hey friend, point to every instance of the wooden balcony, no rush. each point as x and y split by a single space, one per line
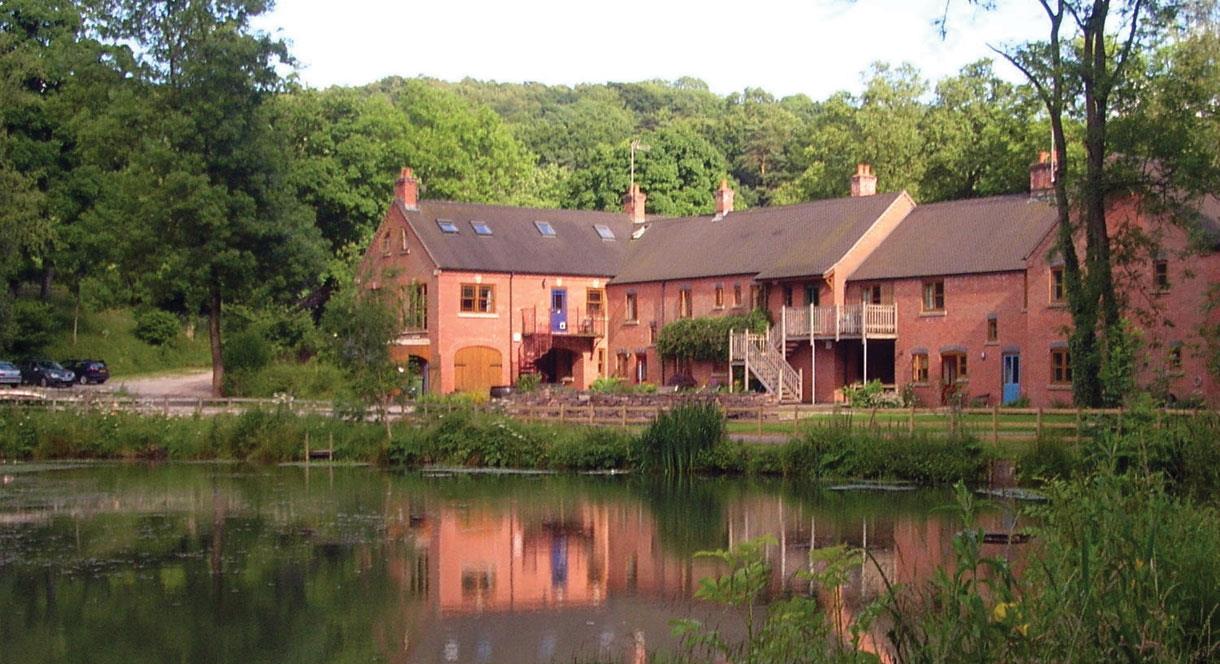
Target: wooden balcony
852 321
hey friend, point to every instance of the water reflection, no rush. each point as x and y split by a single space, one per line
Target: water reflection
220 564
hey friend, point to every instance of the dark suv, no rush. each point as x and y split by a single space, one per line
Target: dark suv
88 371
44 373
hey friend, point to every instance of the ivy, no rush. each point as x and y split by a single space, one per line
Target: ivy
705 338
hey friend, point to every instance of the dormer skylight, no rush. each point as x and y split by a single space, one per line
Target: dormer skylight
480 228
545 228
603 231
447 226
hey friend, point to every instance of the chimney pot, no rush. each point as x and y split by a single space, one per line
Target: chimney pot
1042 176
863 183
634 204
724 199
406 189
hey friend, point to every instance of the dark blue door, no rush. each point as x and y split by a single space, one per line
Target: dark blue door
1012 378
559 310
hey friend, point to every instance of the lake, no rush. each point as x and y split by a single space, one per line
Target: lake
233 563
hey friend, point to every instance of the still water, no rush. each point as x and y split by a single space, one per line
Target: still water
224 563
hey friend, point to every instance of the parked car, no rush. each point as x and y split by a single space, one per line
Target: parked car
9 374
45 373
88 371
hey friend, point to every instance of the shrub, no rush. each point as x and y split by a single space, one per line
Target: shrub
528 382
675 442
248 351
609 385
34 323
682 381
156 327
871 395
314 379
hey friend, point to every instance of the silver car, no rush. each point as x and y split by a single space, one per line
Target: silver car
9 374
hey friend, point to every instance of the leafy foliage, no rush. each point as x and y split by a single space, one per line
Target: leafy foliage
705 338
156 327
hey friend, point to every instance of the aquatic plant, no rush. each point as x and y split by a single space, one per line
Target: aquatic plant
675 442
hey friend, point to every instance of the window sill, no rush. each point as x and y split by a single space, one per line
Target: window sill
1060 387
473 314
933 313
631 323
1057 305
925 384
991 343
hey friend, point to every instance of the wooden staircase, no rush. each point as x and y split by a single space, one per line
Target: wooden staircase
763 356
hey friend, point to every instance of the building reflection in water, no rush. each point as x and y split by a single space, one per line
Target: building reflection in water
506 582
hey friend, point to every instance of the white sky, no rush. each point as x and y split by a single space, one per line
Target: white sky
812 46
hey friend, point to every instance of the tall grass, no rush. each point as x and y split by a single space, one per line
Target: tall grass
840 451
675 442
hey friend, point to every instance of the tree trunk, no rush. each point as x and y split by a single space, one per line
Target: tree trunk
48 279
76 316
218 365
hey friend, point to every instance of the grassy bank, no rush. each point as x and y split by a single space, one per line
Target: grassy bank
691 440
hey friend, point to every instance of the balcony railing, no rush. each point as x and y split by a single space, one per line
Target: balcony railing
835 322
576 323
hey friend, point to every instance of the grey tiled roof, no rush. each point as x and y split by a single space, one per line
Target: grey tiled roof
515 244
772 243
994 234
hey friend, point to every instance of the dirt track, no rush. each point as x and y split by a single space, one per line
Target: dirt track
193 384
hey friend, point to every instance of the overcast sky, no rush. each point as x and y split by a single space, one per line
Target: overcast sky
814 47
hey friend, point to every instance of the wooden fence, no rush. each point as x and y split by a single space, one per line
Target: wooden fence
765 421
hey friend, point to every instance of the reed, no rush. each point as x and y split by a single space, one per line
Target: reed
677 442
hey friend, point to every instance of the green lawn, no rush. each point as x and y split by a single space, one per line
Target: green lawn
108 336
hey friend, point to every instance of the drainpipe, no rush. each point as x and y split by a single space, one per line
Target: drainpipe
660 327
512 355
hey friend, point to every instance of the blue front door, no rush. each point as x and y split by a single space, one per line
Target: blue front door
559 310
1012 378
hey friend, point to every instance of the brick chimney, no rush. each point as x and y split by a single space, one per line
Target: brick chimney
1042 176
863 183
406 189
633 204
724 199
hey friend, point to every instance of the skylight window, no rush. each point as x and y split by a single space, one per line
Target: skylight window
545 228
447 226
604 232
480 228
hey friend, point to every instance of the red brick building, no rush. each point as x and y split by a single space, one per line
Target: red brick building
486 293
959 298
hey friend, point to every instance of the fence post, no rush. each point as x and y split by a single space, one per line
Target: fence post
1038 424
995 424
592 411
911 421
796 419
760 419
307 448
624 416
563 409
1079 424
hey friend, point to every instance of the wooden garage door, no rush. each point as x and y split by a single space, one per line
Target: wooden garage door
476 369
